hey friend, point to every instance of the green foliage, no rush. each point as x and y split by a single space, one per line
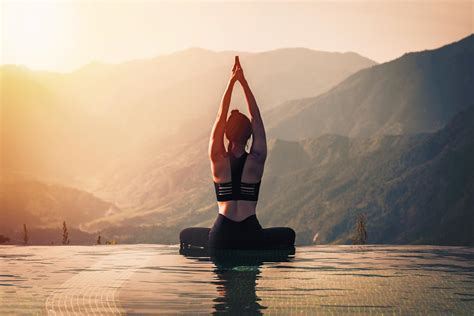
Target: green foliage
360 235
25 235
414 189
65 240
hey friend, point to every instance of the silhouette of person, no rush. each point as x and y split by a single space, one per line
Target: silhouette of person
237 177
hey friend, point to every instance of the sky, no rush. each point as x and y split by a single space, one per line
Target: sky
65 35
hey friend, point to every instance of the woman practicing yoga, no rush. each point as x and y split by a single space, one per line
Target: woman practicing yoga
237 176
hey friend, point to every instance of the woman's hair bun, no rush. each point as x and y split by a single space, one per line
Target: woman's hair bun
238 127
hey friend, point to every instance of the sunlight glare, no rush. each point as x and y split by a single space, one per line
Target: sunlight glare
34 32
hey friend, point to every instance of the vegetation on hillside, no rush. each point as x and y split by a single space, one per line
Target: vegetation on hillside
416 93
360 234
26 238
394 142
65 240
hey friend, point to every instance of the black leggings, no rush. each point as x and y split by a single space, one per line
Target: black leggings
228 234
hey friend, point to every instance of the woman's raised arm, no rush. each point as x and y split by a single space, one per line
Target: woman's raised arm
216 143
259 143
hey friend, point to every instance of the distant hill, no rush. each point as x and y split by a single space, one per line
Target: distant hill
413 188
66 127
418 92
41 205
377 143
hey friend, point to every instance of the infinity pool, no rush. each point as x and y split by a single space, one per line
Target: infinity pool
141 279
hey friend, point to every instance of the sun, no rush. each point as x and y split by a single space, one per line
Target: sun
33 32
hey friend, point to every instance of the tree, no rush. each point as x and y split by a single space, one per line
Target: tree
111 242
99 240
65 234
360 237
25 235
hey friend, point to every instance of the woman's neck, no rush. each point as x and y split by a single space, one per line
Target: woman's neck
237 149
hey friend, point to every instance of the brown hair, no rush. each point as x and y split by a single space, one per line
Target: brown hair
238 128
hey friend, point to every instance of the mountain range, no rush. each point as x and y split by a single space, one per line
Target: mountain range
69 130
416 93
153 185
66 127
392 141
412 188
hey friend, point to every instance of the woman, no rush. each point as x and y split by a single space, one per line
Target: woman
237 176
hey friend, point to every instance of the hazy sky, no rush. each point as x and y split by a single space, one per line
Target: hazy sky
63 35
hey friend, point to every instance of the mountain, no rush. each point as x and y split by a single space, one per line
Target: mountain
150 178
412 188
418 92
67 127
320 184
43 206
393 141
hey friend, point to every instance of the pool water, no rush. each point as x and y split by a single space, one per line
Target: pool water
141 279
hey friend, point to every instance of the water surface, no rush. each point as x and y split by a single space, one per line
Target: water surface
140 279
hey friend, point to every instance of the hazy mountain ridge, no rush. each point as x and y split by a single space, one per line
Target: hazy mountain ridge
418 92
320 182
105 114
331 178
398 68
42 205
413 188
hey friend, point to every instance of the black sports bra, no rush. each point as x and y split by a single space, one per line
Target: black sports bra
236 189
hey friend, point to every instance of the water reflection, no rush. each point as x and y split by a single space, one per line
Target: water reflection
237 272
156 279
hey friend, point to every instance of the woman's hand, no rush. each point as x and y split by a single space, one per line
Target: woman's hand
237 71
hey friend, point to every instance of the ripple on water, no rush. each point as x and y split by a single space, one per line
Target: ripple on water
316 280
